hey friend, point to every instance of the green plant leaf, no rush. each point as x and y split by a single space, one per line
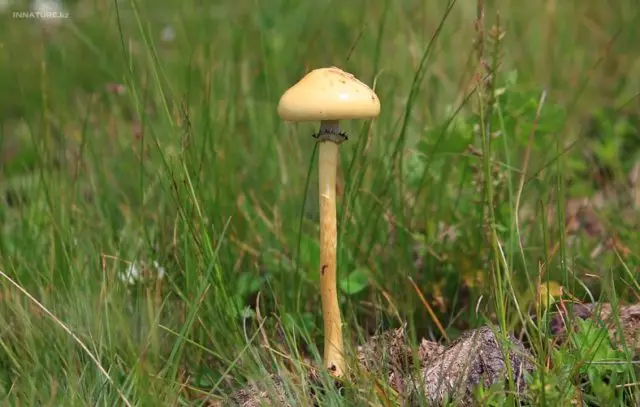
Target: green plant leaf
356 281
248 283
310 253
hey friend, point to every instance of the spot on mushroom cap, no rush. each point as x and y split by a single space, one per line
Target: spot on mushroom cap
328 94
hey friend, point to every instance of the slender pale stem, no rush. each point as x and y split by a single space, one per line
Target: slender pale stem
333 344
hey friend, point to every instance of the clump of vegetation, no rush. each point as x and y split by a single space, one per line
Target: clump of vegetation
158 227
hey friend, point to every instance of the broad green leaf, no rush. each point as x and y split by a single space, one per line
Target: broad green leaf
356 281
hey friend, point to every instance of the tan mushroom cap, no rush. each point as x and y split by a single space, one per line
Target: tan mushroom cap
328 94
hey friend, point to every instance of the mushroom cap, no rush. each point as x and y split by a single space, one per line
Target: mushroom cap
328 94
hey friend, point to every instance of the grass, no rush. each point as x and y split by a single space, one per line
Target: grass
122 151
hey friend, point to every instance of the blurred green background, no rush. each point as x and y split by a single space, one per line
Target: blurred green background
149 191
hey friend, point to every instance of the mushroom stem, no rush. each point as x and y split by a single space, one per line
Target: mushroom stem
328 163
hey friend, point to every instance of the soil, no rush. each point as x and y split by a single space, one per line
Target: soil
442 373
437 375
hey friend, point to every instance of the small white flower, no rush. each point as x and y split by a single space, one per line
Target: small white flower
49 12
160 269
138 272
47 6
168 34
131 275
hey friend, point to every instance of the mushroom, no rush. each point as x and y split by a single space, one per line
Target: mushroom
329 95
